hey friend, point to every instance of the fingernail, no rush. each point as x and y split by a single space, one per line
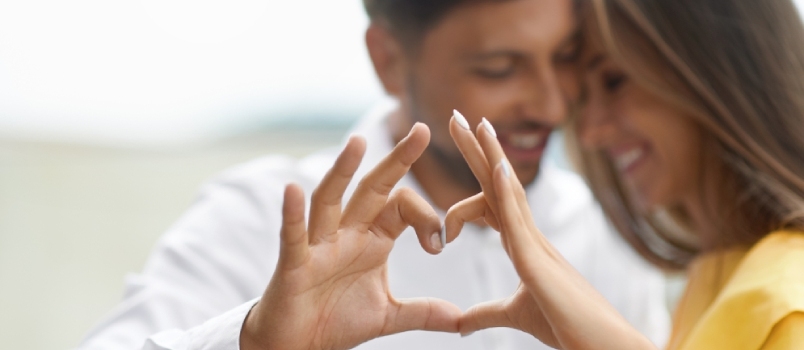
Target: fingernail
460 119
467 334
506 167
443 234
435 242
489 127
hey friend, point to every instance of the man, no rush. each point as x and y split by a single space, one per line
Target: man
509 61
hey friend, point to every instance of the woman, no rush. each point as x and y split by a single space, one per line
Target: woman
692 138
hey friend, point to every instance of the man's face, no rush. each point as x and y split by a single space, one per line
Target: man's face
511 62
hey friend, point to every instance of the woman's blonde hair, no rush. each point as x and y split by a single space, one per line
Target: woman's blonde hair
737 68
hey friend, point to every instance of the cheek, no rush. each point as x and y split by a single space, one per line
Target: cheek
677 143
434 95
685 154
490 99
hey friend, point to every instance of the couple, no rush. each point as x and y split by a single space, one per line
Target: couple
685 117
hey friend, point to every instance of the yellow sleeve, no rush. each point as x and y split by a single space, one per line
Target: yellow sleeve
787 334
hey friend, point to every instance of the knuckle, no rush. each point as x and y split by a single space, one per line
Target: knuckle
380 188
341 173
316 195
378 229
405 194
320 197
403 154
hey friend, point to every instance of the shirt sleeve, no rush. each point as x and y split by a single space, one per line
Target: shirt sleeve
788 334
200 281
219 333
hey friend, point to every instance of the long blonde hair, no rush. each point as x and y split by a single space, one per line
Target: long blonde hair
737 68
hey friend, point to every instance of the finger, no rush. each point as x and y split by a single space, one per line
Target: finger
487 137
371 194
293 249
468 210
406 208
428 314
473 153
325 206
516 232
490 314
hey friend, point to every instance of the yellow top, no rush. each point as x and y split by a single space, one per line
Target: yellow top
745 298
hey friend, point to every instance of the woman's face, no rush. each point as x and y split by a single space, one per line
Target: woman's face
655 147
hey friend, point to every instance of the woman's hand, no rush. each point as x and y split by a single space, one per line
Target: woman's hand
554 302
330 288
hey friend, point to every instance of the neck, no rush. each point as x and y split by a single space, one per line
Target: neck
700 222
706 209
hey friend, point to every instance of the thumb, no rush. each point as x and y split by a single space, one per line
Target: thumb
427 314
490 314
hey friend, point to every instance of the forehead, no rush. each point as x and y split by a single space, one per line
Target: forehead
525 25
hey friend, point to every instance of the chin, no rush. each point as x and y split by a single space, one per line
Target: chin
648 202
642 198
526 173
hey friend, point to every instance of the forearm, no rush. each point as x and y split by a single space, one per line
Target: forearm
581 317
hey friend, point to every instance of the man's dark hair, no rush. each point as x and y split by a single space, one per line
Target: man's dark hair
409 20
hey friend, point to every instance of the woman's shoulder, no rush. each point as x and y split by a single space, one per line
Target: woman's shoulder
774 267
766 287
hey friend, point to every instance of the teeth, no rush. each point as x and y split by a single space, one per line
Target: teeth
628 158
525 141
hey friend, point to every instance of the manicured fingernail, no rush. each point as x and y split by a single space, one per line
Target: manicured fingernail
506 167
435 241
489 127
460 119
443 234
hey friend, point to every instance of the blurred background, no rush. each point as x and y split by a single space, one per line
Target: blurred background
112 113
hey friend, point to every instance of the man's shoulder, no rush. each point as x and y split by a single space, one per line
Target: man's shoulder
568 182
562 193
271 173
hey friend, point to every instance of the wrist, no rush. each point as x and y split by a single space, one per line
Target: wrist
249 334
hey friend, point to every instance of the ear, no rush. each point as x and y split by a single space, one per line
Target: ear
388 57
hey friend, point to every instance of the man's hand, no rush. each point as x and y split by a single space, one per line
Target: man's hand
330 287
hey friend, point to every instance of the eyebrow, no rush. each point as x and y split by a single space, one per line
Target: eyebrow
494 54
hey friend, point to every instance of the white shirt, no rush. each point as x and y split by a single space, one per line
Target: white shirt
210 267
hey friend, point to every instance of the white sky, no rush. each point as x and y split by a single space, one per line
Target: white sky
152 72
170 71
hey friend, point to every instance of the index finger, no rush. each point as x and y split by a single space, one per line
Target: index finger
473 153
372 193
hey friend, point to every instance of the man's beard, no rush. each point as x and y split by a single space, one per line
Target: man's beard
456 167
450 160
